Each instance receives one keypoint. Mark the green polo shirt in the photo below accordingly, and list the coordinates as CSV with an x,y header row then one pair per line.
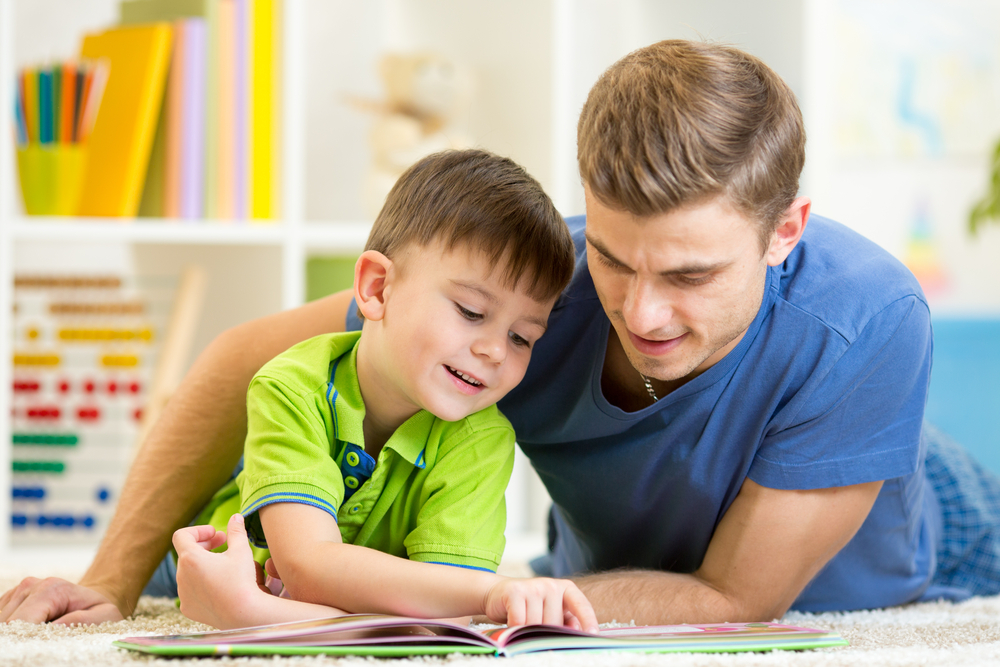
x,y
436,493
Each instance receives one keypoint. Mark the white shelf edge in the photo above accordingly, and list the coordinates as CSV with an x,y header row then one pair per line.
x,y
335,235
346,236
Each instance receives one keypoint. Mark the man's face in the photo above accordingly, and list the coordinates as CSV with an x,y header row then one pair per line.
x,y
680,288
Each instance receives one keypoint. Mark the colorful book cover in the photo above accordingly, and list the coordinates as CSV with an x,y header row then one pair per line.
x,y
210,195
241,154
261,116
122,136
225,137
192,175
174,120
392,636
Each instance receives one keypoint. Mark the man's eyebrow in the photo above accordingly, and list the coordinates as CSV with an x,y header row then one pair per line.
x,y
493,299
679,271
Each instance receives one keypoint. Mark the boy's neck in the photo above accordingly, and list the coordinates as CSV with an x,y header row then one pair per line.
x,y
385,411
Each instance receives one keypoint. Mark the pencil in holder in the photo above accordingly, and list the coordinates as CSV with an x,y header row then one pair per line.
x,y
51,177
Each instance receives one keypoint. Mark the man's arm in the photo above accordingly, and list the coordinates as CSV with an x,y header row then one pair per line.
x,y
767,548
188,455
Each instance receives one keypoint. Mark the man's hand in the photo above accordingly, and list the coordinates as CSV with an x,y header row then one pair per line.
x,y
539,600
57,600
217,589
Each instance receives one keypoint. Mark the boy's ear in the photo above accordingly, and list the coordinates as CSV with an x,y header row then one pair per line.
x,y
371,273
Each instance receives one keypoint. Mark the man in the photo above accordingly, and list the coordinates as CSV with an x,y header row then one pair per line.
x,y
727,408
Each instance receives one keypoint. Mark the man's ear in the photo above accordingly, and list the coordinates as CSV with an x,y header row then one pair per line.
x,y
788,231
371,275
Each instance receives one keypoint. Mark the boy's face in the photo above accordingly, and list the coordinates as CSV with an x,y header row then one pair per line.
x,y
680,288
453,339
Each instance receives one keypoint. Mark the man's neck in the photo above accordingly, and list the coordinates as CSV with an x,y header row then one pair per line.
x,y
622,385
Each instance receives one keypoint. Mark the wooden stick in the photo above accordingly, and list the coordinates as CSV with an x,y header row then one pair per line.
x,y
176,348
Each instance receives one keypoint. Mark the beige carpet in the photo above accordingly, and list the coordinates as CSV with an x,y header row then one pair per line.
x,y
928,634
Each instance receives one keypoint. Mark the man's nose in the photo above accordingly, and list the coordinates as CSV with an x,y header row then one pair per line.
x,y
646,308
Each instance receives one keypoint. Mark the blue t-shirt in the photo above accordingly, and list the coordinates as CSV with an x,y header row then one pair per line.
x,y
826,388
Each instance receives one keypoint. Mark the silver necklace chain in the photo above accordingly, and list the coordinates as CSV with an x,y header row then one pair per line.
x,y
649,387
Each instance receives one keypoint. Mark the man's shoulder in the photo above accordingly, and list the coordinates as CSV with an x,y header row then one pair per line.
x,y
843,279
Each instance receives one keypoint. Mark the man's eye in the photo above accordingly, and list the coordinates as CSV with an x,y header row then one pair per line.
x,y
519,341
697,279
610,263
469,314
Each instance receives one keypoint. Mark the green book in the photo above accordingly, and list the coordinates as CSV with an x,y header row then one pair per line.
x,y
394,636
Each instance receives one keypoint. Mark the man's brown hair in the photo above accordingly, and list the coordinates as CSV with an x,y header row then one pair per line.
x,y
487,201
678,122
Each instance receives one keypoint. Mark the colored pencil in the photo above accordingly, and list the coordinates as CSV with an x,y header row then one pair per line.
x,y
67,103
44,106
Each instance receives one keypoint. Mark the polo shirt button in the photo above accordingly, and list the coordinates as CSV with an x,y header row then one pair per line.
x,y
351,482
353,459
355,509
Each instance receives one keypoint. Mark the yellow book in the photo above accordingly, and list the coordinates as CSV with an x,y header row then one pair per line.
x,y
119,145
261,115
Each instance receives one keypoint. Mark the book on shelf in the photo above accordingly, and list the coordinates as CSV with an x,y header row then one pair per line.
x,y
119,144
393,636
217,153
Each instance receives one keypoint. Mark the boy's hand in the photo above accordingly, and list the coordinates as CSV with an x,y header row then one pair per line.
x,y
216,589
540,600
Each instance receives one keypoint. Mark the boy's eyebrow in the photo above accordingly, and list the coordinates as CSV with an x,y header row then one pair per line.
x,y
492,298
679,271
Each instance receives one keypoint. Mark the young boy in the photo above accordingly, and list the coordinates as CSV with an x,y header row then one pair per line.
x,y
376,462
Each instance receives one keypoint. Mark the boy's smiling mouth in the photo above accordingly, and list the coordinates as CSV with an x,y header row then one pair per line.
x,y
464,377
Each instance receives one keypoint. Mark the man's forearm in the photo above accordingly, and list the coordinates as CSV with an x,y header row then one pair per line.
x,y
189,454
658,598
193,447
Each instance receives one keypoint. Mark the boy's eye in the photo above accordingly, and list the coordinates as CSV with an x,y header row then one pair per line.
x,y
519,341
469,314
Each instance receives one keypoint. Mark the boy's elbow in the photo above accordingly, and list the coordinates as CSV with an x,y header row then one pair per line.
x,y
303,579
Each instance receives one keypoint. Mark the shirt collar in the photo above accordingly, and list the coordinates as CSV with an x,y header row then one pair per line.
x,y
344,397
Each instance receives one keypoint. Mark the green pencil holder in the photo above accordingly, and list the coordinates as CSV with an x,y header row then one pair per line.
x,y
51,177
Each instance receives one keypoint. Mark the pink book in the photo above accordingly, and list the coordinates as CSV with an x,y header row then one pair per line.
x,y
192,186
226,138
241,126
175,131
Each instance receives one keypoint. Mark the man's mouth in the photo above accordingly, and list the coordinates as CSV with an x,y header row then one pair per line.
x,y
464,377
655,348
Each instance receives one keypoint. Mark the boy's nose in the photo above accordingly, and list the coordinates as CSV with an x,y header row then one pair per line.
x,y
492,347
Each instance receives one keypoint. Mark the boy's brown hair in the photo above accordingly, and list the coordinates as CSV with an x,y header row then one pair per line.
x,y
487,201
678,122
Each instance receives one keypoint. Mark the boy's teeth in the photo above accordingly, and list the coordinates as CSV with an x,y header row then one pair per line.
x,y
468,378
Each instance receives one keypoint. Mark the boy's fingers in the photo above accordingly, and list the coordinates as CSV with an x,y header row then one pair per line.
x,y
534,606
271,568
552,612
237,542
192,536
516,613
576,602
571,621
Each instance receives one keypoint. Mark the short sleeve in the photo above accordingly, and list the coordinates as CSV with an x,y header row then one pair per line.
x,y
287,457
862,421
462,514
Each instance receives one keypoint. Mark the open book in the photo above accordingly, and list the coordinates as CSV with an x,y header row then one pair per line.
x,y
389,636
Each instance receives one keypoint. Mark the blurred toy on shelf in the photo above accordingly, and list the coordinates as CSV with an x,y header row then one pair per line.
x,y
424,93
